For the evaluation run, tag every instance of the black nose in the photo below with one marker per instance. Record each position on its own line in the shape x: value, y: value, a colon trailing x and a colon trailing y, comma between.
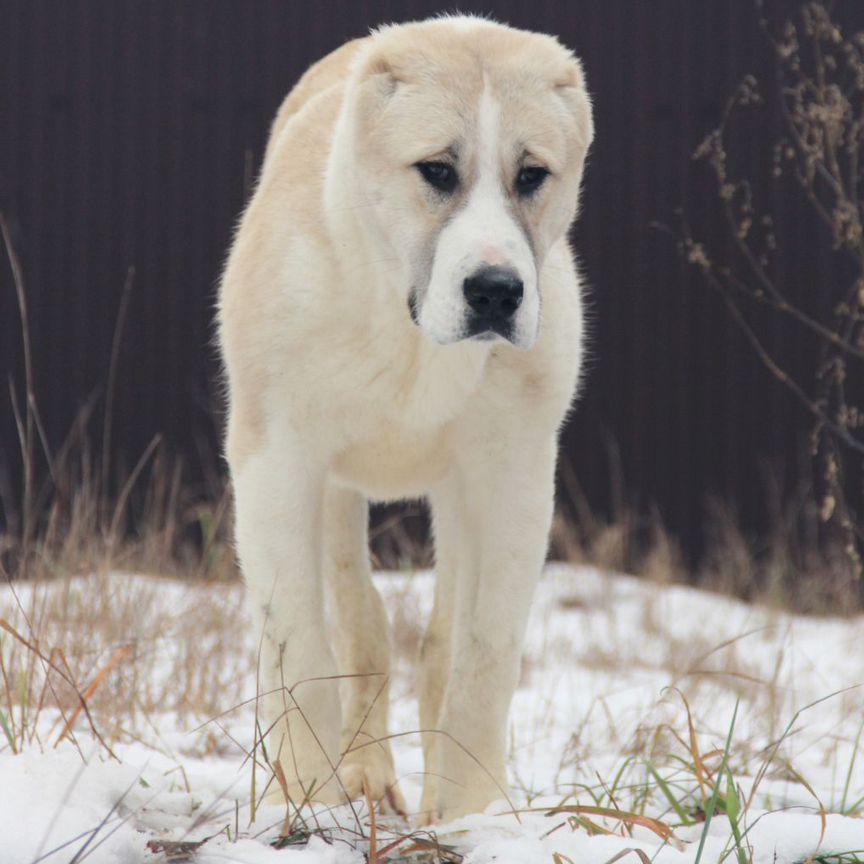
x: 493, y: 293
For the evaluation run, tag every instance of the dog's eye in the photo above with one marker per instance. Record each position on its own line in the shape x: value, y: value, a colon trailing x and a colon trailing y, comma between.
x: 441, y: 175
x: 530, y: 179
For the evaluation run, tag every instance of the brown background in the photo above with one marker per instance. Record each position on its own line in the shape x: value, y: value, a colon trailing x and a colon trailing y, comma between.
x: 130, y: 131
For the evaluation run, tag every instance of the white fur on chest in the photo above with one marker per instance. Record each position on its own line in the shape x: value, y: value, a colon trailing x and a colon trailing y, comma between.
x: 398, y: 417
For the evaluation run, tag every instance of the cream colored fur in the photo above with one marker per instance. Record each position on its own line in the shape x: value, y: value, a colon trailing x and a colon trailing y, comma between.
x: 337, y: 396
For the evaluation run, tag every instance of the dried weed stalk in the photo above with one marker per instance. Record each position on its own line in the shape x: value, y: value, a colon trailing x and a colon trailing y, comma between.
x: 819, y: 94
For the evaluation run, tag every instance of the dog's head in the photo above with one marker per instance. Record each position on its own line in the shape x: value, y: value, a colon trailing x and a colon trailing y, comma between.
x: 469, y: 143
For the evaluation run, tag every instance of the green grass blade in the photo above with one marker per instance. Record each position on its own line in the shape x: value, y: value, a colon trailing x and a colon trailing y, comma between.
x: 733, y: 811
x: 733, y: 807
x: 851, y: 768
x: 667, y: 792
x: 712, y: 801
x: 8, y: 732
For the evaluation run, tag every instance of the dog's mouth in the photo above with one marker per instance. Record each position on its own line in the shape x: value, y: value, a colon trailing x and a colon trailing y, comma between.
x: 482, y: 329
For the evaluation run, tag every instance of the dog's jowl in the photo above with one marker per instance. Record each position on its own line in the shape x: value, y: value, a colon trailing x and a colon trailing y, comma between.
x: 400, y: 316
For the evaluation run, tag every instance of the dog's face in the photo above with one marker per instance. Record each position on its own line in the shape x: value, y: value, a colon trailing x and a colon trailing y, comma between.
x: 470, y: 144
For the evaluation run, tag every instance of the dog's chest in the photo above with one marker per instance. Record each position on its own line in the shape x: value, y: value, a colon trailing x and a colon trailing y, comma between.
x: 394, y: 463
x: 403, y: 422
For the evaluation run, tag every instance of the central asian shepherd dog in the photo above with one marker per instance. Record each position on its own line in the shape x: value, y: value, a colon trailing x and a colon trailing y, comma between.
x: 400, y: 316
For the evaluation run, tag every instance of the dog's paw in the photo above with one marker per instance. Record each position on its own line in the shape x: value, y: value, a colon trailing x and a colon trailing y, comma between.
x: 369, y: 770
x: 426, y: 819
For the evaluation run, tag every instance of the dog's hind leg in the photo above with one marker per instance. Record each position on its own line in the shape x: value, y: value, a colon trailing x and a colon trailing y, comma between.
x: 279, y: 495
x: 363, y: 651
x: 434, y: 662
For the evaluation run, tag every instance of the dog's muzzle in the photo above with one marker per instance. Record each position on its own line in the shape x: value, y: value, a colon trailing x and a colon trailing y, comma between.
x: 493, y: 294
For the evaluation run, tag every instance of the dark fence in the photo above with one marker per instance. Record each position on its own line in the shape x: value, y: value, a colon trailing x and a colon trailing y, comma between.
x: 130, y: 131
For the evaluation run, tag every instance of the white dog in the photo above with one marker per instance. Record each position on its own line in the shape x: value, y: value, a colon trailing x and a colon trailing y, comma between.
x: 400, y: 316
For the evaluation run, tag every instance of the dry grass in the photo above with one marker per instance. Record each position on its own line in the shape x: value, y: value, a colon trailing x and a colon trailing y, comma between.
x: 789, y: 568
x: 115, y: 643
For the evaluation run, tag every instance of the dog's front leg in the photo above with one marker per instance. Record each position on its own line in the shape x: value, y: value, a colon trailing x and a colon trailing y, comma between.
x: 504, y: 490
x: 279, y: 493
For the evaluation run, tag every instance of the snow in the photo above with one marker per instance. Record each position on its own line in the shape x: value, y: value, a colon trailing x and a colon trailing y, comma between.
x: 609, y: 661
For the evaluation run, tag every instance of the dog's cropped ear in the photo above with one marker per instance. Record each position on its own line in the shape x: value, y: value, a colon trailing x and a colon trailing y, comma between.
x: 381, y: 71
x: 379, y: 75
x: 569, y: 74
x: 569, y: 84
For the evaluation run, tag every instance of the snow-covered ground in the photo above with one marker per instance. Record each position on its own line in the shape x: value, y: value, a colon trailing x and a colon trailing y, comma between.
x: 612, y: 666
